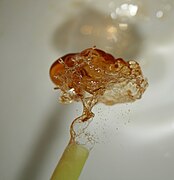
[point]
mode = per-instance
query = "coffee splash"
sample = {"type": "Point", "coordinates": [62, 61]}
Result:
{"type": "Point", "coordinates": [94, 76]}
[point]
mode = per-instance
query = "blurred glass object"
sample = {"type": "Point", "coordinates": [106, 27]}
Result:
{"type": "Point", "coordinates": [93, 28]}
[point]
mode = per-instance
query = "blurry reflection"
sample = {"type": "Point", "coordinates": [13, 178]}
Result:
{"type": "Point", "coordinates": [91, 27]}
{"type": "Point", "coordinates": [127, 10]}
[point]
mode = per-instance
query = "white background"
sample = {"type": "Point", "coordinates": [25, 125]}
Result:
{"type": "Point", "coordinates": [135, 140]}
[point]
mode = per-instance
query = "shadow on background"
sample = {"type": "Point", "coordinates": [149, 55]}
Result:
{"type": "Point", "coordinates": [90, 27]}
{"type": "Point", "coordinates": [86, 29]}
{"type": "Point", "coordinates": [50, 134]}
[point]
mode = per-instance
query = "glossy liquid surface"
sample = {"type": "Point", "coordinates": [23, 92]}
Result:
{"type": "Point", "coordinates": [93, 76]}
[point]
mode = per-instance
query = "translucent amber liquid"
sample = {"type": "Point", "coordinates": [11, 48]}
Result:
{"type": "Point", "coordinates": [93, 76]}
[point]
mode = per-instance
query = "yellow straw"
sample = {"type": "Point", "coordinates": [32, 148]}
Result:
{"type": "Point", "coordinates": [71, 163]}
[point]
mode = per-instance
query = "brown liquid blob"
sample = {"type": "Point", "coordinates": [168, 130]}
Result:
{"type": "Point", "coordinates": [93, 76]}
